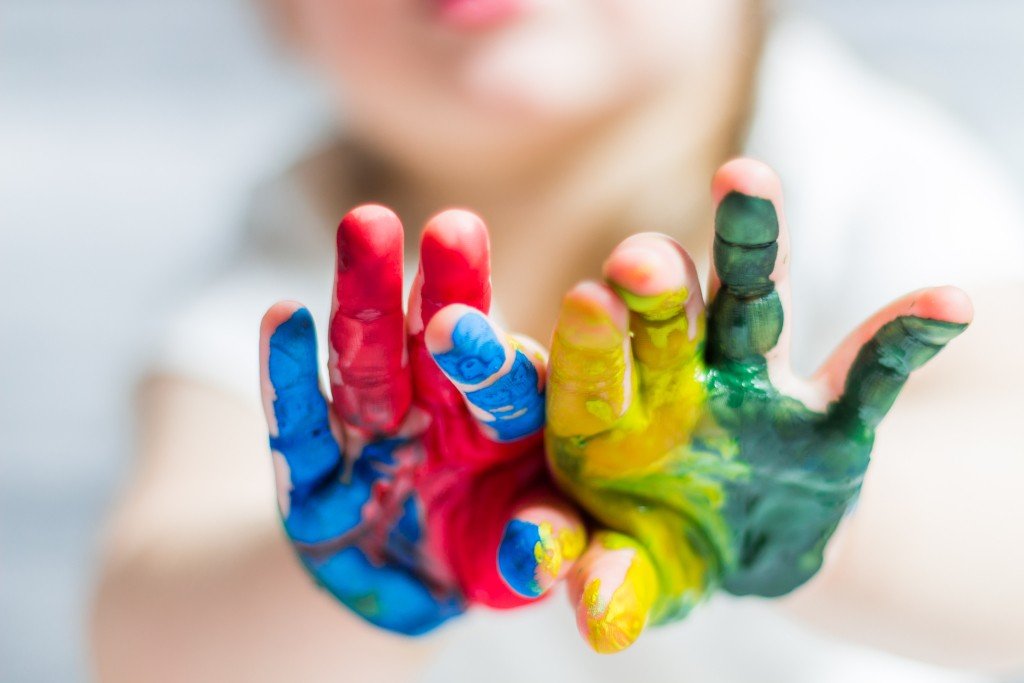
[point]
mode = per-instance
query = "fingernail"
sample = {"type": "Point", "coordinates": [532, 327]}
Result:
{"type": "Point", "coordinates": [455, 260]}
{"type": "Point", "coordinates": [292, 360]}
{"type": "Point", "coordinates": [592, 318]}
{"type": "Point", "coordinates": [746, 221]}
{"type": "Point", "coordinates": [532, 556]}
{"type": "Point", "coordinates": [646, 265]}
{"type": "Point", "coordinates": [476, 352]}
{"type": "Point", "coordinates": [613, 605]}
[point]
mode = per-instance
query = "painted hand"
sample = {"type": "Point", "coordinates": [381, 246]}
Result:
{"type": "Point", "coordinates": [398, 494]}
{"type": "Point", "coordinates": [686, 435]}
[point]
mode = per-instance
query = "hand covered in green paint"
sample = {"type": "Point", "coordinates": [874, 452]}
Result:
{"type": "Point", "coordinates": [684, 433]}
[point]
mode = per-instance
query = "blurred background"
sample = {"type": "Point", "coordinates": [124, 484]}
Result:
{"type": "Point", "coordinates": [131, 133]}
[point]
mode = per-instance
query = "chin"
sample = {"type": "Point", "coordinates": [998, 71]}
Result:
{"type": "Point", "coordinates": [536, 89]}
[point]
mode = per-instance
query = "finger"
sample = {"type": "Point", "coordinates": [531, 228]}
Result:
{"type": "Point", "coordinates": [749, 289]}
{"type": "Point", "coordinates": [658, 281]}
{"type": "Point", "coordinates": [501, 383]}
{"type": "Point", "coordinates": [613, 587]}
{"type": "Point", "coordinates": [369, 372]}
{"type": "Point", "coordinates": [539, 546]}
{"type": "Point", "coordinates": [455, 268]}
{"type": "Point", "coordinates": [591, 380]}
{"type": "Point", "coordinates": [868, 370]}
{"type": "Point", "coordinates": [306, 452]}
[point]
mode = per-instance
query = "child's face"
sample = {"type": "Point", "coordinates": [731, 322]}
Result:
{"type": "Point", "coordinates": [466, 65]}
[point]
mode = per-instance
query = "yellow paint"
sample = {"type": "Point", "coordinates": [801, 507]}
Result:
{"type": "Point", "coordinates": [614, 624]}
{"type": "Point", "coordinates": [611, 456]}
{"type": "Point", "coordinates": [556, 548]}
{"type": "Point", "coordinates": [572, 540]}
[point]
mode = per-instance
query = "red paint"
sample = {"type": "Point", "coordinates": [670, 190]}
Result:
{"type": "Point", "coordinates": [369, 378]}
{"type": "Point", "coordinates": [468, 485]}
{"type": "Point", "coordinates": [454, 268]}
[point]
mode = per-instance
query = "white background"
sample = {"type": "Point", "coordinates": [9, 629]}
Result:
{"type": "Point", "coordinates": [130, 134]}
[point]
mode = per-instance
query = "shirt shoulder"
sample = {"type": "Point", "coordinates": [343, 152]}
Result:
{"type": "Point", "coordinates": [285, 252]}
{"type": "Point", "coordinates": [885, 193]}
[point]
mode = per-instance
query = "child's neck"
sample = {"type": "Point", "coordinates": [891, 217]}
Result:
{"type": "Point", "coordinates": [633, 164]}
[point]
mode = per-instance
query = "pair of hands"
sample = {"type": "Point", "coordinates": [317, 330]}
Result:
{"type": "Point", "coordinates": [679, 454]}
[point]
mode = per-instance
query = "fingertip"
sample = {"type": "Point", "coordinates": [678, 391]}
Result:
{"type": "Point", "coordinates": [368, 277]}
{"type": "Point", "coordinates": [458, 230]}
{"type": "Point", "coordinates": [455, 262]}
{"type": "Point", "coordinates": [453, 225]}
{"type": "Point", "coordinates": [438, 334]}
{"type": "Point", "coordinates": [539, 546]}
{"type": "Point", "coordinates": [649, 264]}
{"type": "Point", "coordinates": [367, 214]}
{"type": "Point", "coordinates": [286, 325]}
{"type": "Point", "coordinates": [518, 558]}
{"type": "Point", "coordinates": [473, 351]}
{"type": "Point", "coordinates": [593, 315]}
{"type": "Point", "coordinates": [950, 304]}
{"type": "Point", "coordinates": [747, 176]}
{"type": "Point", "coordinates": [613, 586]}
{"type": "Point", "coordinates": [371, 229]}
{"type": "Point", "coordinates": [276, 315]}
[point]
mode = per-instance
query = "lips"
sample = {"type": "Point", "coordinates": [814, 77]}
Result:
{"type": "Point", "coordinates": [471, 14]}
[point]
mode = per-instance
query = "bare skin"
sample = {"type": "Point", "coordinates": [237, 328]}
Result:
{"type": "Point", "coordinates": [195, 565]}
{"type": "Point", "coordinates": [165, 558]}
{"type": "Point", "coordinates": [219, 574]}
{"type": "Point", "coordinates": [151, 528]}
{"type": "Point", "coordinates": [952, 490]}
{"type": "Point", "coordinates": [218, 571]}
{"type": "Point", "coordinates": [925, 565]}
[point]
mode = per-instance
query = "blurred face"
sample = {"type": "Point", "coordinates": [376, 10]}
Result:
{"type": "Point", "coordinates": [468, 69]}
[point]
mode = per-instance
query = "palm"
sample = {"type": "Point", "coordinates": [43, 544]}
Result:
{"type": "Point", "coordinates": [682, 433]}
{"type": "Point", "coordinates": [396, 495]}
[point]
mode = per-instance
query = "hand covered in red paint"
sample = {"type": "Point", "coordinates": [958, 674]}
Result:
{"type": "Point", "coordinates": [401, 494]}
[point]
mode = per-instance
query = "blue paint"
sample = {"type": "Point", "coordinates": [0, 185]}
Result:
{"type": "Point", "coordinates": [517, 559]}
{"type": "Point", "coordinates": [377, 458]}
{"type": "Point", "coordinates": [476, 352]}
{"type": "Point", "coordinates": [514, 400]}
{"type": "Point", "coordinates": [328, 513]}
{"type": "Point", "coordinates": [304, 434]}
{"type": "Point", "coordinates": [405, 537]}
{"type": "Point", "coordinates": [387, 596]}
{"type": "Point", "coordinates": [320, 507]}
{"type": "Point", "coordinates": [323, 507]}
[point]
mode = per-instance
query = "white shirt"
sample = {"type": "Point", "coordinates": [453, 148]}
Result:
{"type": "Point", "coordinates": [880, 189]}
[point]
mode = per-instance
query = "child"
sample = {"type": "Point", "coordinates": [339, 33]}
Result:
{"type": "Point", "coordinates": [569, 125]}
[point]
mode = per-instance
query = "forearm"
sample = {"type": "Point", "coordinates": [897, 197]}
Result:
{"type": "Point", "coordinates": [199, 582]}
{"type": "Point", "coordinates": [245, 611]}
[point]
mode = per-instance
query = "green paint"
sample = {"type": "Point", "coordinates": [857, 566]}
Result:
{"type": "Point", "coordinates": [882, 367]}
{"type": "Point", "coordinates": [727, 482]}
{"type": "Point", "coordinates": [747, 220]}
{"type": "Point", "coordinates": [745, 318]}
{"type": "Point", "coordinates": [806, 467]}
{"type": "Point", "coordinates": [661, 307]}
